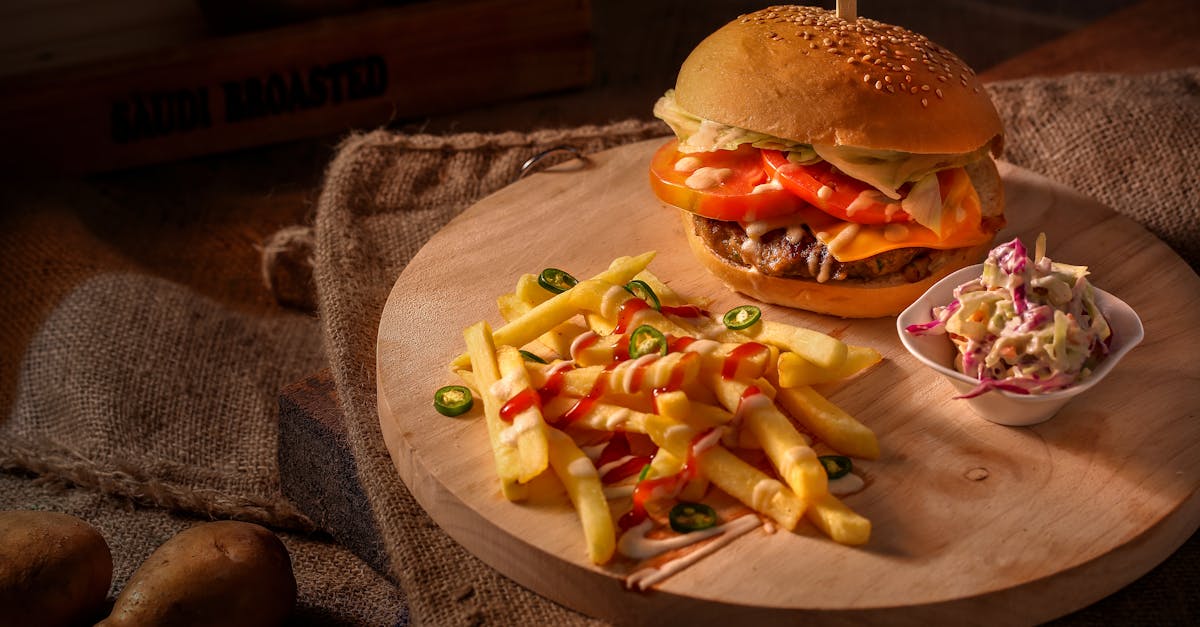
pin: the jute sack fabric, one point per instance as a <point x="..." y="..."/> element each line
<point x="135" y="402"/>
<point x="386" y="194"/>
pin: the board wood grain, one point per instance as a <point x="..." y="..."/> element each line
<point x="972" y="521"/>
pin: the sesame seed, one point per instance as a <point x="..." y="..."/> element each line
<point x="914" y="90"/>
<point x="924" y="87"/>
<point x="851" y="60"/>
<point x="924" y="102"/>
<point x="906" y="68"/>
<point x="891" y="89"/>
<point x="938" y="92"/>
<point x="887" y="79"/>
<point x="907" y="77"/>
<point x="866" y="78"/>
<point x="878" y="84"/>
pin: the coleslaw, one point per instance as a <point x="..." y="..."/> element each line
<point x="1027" y="326"/>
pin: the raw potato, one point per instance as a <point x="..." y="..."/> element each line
<point x="221" y="573"/>
<point x="55" y="569"/>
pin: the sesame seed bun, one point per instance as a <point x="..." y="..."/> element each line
<point x="804" y="74"/>
<point x="884" y="296"/>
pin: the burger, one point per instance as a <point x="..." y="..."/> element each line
<point x="840" y="166"/>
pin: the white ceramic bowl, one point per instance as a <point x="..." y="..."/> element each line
<point x="1006" y="408"/>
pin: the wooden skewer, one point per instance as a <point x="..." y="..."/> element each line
<point x="847" y="10"/>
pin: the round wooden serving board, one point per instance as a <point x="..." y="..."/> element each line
<point x="972" y="522"/>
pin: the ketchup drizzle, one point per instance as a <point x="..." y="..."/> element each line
<point x="520" y="402"/>
<point x="743" y="352"/>
<point x="626" y="313"/>
<point x="646" y="487"/>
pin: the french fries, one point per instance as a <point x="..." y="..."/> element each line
<point x="668" y="393"/>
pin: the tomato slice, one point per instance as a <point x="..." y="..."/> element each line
<point x="841" y="196"/>
<point x="725" y="191"/>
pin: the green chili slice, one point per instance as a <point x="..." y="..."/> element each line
<point x="453" y="400"/>
<point x="687" y="517"/>
<point x="646" y="340"/>
<point x="556" y="281"/>
<point x="645" y="471"/>
<point x="741" y="317"/>
<point x="836" y="465"/>
<point x="531" y="357"/>
<point x="639" y="288"/>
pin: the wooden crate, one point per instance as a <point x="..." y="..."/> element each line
<point x="314" y="78"/>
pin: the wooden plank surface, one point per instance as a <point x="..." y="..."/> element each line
<point x="310" y="79"/>
<point x="1070" y="510"/>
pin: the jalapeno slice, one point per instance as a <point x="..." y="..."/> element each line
<point x="556" y="281"/>
<point x="687" y="517"/>
<point x="642" y="290"/>
<point x="741" y="317"/>
<point x="836" y="466"/>
<point x="453" y="400"/>
<point x="646" y="340"/>
<point x="531" y="357"/>
<point x="645" y="471"/>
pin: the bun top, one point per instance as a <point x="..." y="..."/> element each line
<point x="804" y="74"/>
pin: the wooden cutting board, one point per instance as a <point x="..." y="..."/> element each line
<point x="972" y="521"/>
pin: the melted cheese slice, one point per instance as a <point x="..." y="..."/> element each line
<point x="960" y="217"/>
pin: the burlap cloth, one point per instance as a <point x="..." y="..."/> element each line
<point x="143" y="405"/>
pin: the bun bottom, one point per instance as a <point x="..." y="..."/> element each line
<point x="846" y="299"/>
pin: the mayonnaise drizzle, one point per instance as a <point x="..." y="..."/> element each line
<point x="706" y="177"/>
<point x="764" y="491"/>
<point x="612" y="300"/>
<point x="635" y="539"/>
<point x="848" y="483"/>
<point x="582" y="468"/>
<point x="587" y="337"/>
<point x="687" y="164"/>
<point x="613" y="464"/>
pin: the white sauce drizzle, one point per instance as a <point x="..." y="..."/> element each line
<point x="798" y="454"/>
<point x="647" y="577"/>
<point x="582" y="468"/>
<point x="749" y="247"/>
<point x="507" y="386"/>
<point x="706" y="177"/>
<point x="865" y="199"/>
<point x="703" y="346"/>
<point x="794" y="234"/>
<point x="843" y="239"/>
<point x="756" y="229"/>
<point x="687" y="164"/>
<point x="676" y="431"/>
<point x="618" y="491"/>
<point x="617" y="418"/>
<point x="612" y="300"/>
<point x="826" y="266"/>
<point x="523" y="422"/>
<point x="708" y="441"/>
<point x="613" y="464"/>
<point x="769" y="186"/>
<point x="848" y="483"/>
<point x="628" y="369"/>
<point x="764" y="491"/>
<point x="585" y="337"/>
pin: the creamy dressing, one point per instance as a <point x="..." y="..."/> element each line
<point x="794" y="234"/>
<point x="582" y="468"/>
<point x="628" y="369"/>
<point x="523" y="422"/>
<point x="677" y="431"/>
<point x="619" y="491"/>
<point x="613" y="464"/>
<point x="764" y="491"/>
<point x="848" y="483"/>
<point x="708" y="441"/>
<point x="729" y="531"/>
<point x="799" y="454"/>
<point x="612" y="301"/>
<point x="703" y="347"/>
<point x="687" y="164"/>
<point x="707" y="177"/>
<point x="864" y="199"/>
<point x="770" y="186"/>
<point x="617" y="418"/>
<point x="507" y="386"/>
<point x="826" y="267"/>
<point x="585" y="338"/>
<point x="842" y="240"/>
